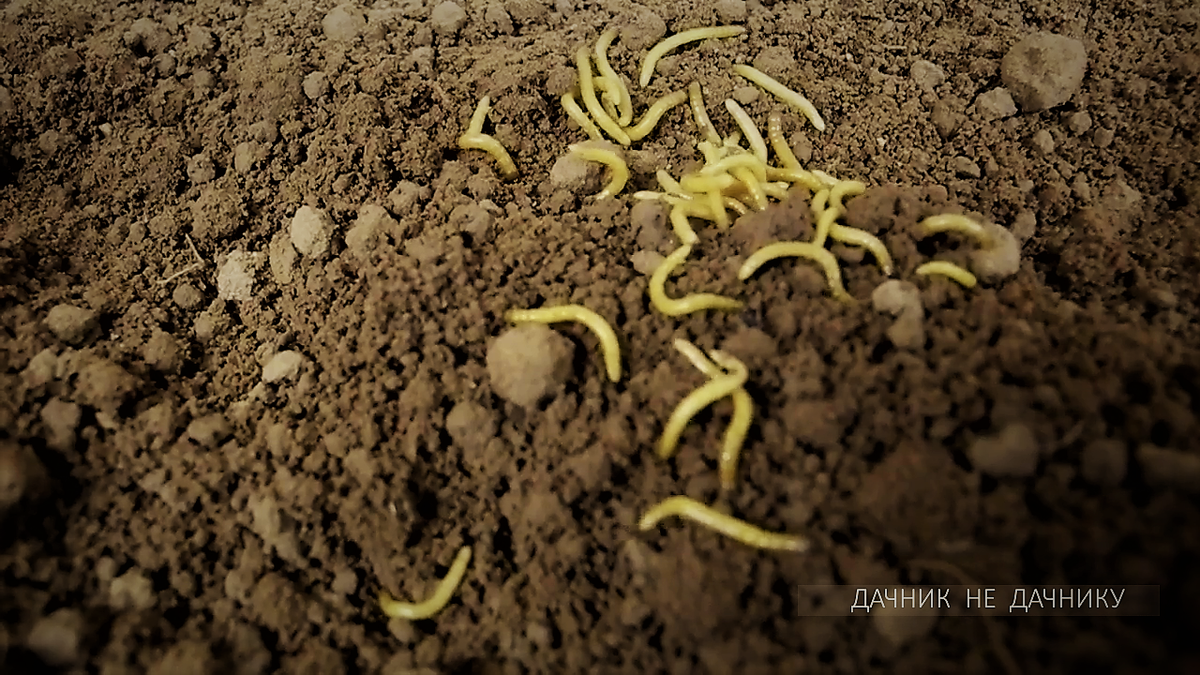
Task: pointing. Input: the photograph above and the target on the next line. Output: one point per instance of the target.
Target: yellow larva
(951, 222)
(474, 139)
(773, 86)
(799, 249)
(694, 35)
(782, 150)
(856, 237)
(729, 526)
(825, 219)
(579, 117)
(441, 595)
(685, 234)
(695, 302)
(659, 108)
(623, 102)
(703, 123)
(587, 91)
(846, 188)
(743, 407)
(757, 145)
(735, 437)
(754, 188)
(617, 166)
(950, 270)
(832, 208)
(609, 345)
(728, 164)
(717, 388)
(806, 178)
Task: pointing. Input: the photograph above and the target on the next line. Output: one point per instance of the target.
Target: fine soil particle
(254, 365)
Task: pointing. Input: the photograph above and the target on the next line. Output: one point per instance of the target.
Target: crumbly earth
(223, 453)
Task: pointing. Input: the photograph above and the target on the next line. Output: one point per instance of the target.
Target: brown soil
(190, 518)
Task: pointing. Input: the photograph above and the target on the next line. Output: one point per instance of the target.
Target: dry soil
(183, 507)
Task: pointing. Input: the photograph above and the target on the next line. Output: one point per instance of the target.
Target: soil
(179, 513)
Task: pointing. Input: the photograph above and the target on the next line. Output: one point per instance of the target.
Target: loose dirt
(224, 429)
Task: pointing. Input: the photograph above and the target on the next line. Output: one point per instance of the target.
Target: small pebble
(908, 331)
(162, 352)
(372, 224)
(730, 11)
(1044, 70)
(200, 169)
(404, 633)
(283, 366)
(528, 363)
(896, 297)
(148, 34)
(1024, 226)
(342, 24)
(1168, 468)
(71, 324)
(1081, 188)
(646, 262)
(316, 85)
(498, 19)
(310, 231)
(995, 105)
(1043, 142)
(40, 369)
(244, 156)
(927, 75)
(283, 256)
(965, 167)
(105, 569)
(649, 220)
(447, 19)
(211, 323)
(471, 425)
(1013, 452)
(187, 296)
(802, 145)
(946, 119)
(62, 420)
(56, 639)
(1163, 298)
(1002, 257)
(641, 27)
(345, 582)
(525, 12)
(209, 431)
(132, 590)
(776, 61)
(560, 80)
(746, 95)
(105, 385)
(406, 197)
(235, 279)
(752, 346)
(474, 220)
(1079, 122)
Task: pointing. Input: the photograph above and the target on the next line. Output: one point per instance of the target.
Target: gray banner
(978, 600)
